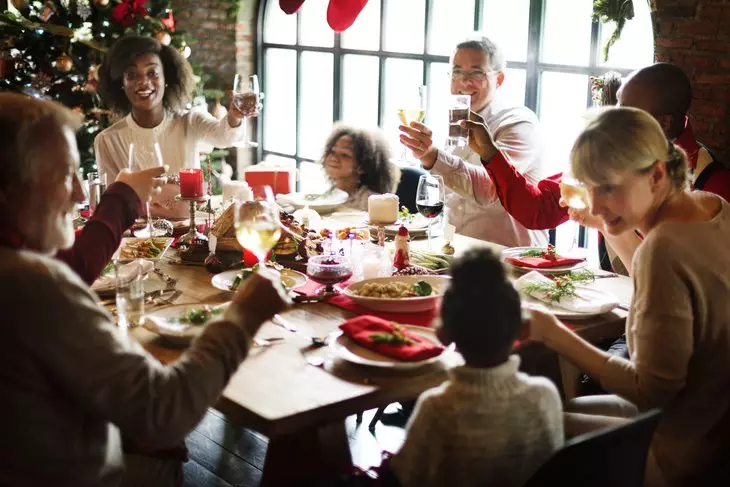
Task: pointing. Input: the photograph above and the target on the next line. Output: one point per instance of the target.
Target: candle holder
(193, 233)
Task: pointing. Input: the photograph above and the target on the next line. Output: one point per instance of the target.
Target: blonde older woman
(678, 328)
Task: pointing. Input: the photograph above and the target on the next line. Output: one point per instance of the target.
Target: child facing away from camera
(489, 424)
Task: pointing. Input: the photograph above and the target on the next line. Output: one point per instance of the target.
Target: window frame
(533, 67)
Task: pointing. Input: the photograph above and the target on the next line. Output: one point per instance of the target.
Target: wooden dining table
(301, 407)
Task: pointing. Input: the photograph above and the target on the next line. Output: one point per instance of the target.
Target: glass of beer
(458, 110)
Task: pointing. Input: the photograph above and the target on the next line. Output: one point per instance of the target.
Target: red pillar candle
(191, 183)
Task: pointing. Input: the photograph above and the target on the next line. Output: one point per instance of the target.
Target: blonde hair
(623, 139)
(24, 125)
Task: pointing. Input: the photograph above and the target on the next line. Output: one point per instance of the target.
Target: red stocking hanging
(290, 6)
(341, 14)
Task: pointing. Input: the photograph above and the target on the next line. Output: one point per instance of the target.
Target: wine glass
(247, 97)
(151, 228)
(459, 107)
(257, 223)
(430, 199)
(413, 111)
(329, 270)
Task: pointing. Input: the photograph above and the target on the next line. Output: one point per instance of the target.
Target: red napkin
(542, 262)
(419, 318)
(362, 328)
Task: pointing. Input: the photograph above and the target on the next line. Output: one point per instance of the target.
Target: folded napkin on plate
(585, 301)
(127, 272)
(365, 331)
(542, 262)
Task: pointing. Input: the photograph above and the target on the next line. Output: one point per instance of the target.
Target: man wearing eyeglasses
(478, 66)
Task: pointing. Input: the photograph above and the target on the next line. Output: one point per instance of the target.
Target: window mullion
(337, 80)
(298, 97)
(381, 62)
(533, 54)
(478, 14)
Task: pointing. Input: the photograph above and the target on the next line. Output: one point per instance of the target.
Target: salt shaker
(94, 190)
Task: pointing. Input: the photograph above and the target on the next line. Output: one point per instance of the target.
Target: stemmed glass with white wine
(413, 110)
(257, 223)
(247, 98)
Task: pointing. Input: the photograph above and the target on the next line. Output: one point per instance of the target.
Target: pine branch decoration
(617, 11)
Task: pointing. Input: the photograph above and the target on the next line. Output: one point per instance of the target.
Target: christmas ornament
(92, 79)
(101, 3)
(163, 37)
(186, 51)
(341, 14)
(169, 21)
(21, 5)
(49, 8)
(64, 64)
(83, 9)
(218, 110)
(290, 6)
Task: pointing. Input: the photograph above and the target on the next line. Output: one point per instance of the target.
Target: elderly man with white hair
(478, 69)
(70, 380)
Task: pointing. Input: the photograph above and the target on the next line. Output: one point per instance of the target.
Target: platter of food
(399, 293)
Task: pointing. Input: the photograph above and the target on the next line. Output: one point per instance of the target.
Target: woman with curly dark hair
(151, 84)
(357, 161)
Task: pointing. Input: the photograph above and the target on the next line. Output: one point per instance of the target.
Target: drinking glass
(257, 223)
(459, 107)
(574, 194)
(413, 111)
(150, 229)
(329, 270)
(129, 283)
(430, 197)
(247, 97)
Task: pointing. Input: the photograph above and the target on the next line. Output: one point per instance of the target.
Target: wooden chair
(610, 457)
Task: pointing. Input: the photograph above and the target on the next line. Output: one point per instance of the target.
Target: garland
(617, 11)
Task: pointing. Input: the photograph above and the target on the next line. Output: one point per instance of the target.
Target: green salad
(202, 315)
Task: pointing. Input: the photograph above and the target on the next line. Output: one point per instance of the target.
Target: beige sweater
(678, 332)
(69, 381)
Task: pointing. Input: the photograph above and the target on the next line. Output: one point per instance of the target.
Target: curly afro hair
(372, 153)
(178, 73)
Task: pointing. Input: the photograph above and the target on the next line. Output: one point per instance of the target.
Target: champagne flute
(257, 223)
(430, 197)
(415, 112)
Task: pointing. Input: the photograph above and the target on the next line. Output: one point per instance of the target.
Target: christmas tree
(53, 50)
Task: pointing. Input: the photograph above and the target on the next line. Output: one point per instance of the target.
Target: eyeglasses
(477, 75)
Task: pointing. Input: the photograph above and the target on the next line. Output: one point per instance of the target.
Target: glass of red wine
(430, 199)
(329, 270)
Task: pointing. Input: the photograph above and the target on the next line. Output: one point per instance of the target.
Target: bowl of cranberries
(329, 270)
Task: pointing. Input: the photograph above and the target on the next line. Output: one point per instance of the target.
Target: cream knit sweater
(483, 427)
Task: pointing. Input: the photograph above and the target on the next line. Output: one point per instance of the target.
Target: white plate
(419, 226)
(165, 322)
(325, 205)
(347, 349)
(163, 242)
(401, 305)
(561, 269)
(224, 280)
(585, 292)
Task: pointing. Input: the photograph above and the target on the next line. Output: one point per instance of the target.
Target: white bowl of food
(400, 294)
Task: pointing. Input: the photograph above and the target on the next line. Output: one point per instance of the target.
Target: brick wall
(694, 35)
(224, 46)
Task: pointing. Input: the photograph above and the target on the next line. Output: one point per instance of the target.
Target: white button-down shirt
(473, 206)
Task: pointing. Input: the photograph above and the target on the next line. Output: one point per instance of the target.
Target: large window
(313, 77)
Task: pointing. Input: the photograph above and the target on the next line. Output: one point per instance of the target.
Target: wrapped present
(281, 179)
